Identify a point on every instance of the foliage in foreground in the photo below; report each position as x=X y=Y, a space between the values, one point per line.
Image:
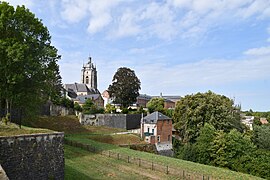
x=29 y=73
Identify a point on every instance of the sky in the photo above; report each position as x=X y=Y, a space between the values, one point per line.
x=175 y=47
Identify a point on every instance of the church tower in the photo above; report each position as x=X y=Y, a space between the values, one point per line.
x=89 y=75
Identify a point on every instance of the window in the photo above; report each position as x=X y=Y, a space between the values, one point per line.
x=158 y=138
x=148 y=129
x=87 y=80
x=169 y=137
x=153 y=131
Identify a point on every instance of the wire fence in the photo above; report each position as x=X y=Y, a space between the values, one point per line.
x=143 y=163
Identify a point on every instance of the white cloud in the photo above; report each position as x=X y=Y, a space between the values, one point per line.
x=99 y=12
x=27 y=3
x=201 y=74
x=127 y=25
x=258 y=51
x=162 y=19
x=74 y=11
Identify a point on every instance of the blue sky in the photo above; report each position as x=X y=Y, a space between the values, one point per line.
x=176 y=47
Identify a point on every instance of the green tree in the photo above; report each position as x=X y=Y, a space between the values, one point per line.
x=155 y=104
x=29 y=74
x=227 y=148
x=261 y=136
x=193 y=111
x=110 y=108
x=125 y=87
x=90 y=108
x=77 y=107
x=67 y=103
x=203 y=143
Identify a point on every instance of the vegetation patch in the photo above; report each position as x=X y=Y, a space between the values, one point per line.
x=118 y=139
x=69 y=125
x=81 y=164
x=11 y=129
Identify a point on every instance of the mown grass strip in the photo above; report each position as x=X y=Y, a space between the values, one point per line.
x=185 y=166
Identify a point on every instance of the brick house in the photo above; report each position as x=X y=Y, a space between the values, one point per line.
x=156 y=128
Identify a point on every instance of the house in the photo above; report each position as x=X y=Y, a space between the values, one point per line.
x=248 y=121
x=263 y=121
x=169 y=101
x=142 y=100
x=156 y=129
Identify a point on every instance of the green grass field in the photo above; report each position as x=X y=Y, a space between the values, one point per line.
x=82 y=164
x=12 y=129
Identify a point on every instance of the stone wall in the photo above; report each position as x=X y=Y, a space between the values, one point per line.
x=60 y=110
x=36 y=156
x=112 y=120
x=123 y=121
x=50 y=109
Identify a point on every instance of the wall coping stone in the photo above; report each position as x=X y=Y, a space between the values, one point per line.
x=3 y=175
x=33 y=135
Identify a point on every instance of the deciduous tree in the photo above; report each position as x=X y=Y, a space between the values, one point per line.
x=29 y=73
x=155 y=104
x=193 y=111
x=125 y=87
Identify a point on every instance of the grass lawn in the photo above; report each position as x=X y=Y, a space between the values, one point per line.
x=80 y=164
x=69 y=125
x=214 y=172
x=83 y=164
x=12 y=129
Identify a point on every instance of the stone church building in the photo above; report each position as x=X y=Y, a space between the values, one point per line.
x=87 y=89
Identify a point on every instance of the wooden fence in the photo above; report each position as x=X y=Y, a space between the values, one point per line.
x=146 y=164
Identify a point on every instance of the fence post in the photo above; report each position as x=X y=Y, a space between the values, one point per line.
x=183 y=174
x=167 y=171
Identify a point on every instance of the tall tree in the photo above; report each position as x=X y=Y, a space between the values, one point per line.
x=125 y=87
x=29 y=73
x=155 y=104
x=193 y=111
x=227 y=148
x=261 y=136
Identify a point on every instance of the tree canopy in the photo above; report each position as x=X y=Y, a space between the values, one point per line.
x=29 y=73
x=125 y=87
x=91 y=108
x=155 y=104
x=193 y=111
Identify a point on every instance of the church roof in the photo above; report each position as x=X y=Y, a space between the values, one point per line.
x=82 y=99
x=154 y=117
x=79 y=87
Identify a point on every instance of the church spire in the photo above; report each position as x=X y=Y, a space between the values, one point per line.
x=89 y=74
